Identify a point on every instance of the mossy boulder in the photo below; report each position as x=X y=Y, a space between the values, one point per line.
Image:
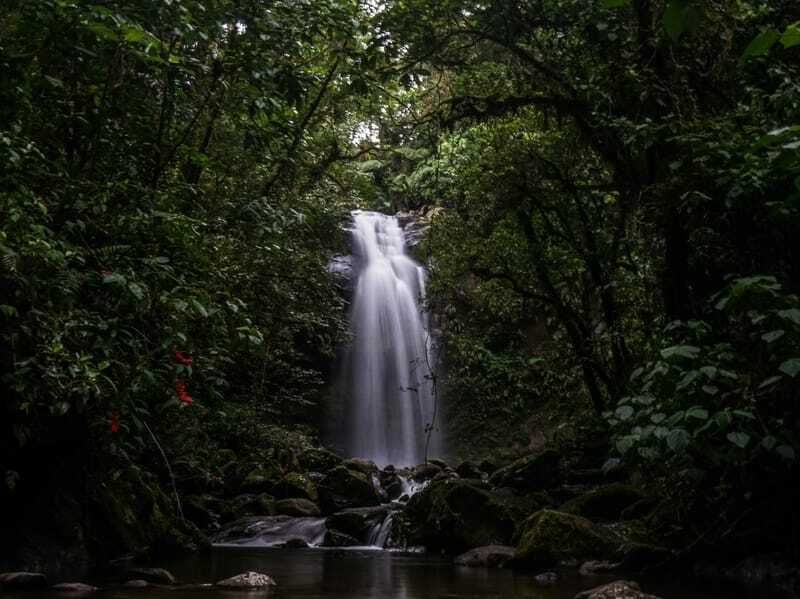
x=297 y=506
x=530 y=473
x=549 y=536
x=343 y=487
x=247 y=504
x=318 y=459
x=262 y=478
x=367 y=467
x=605 y=503
x=457 y=515
x=295 y=484
x=357 y=522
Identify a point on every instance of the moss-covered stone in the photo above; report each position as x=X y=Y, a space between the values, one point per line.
x=262 y=478
x=295 y=484
x=604 y=503
x=529 y=473
x=297 y=506
x=318 y=459
x=342 y=488
x=248 y=504
x=457 y=515
x=367 y=467
x=549 y=536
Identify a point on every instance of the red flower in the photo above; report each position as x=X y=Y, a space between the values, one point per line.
x=183 y=395
x=113 y=421
x=180 y=357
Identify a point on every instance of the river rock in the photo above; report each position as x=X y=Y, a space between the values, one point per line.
x=344 y=487
x=248 y=504
x=392 y=484
x=546 y=579
x=548 y=537
x=247 y=580
x=425 y=472
x=605 y=503
x=357 y=522
x=295 y=544
x=334 y=538
x=457 y=515
x=262 y=479
x=367 y=467
x=619 y=589
x=156 y=575
x=297 y=506
x=489 y=556
x=77 y=588
x=22 y=580
x=529 y=473
x=295 y=484
x=137 y=583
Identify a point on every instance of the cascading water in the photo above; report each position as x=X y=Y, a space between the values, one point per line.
x=387 y=387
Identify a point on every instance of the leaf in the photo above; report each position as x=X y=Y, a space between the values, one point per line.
x=773 y=335
x=614 y=3
x=678 y=440
x=790 y=367
x=793 y=314
x=739 y=439
x=770 y=381
x=791 y=37
x=723 y=419
x=684 y=351
x=625 y=443
x=698 y=413
x=744 y=414
x=762 y=43
x=680 y=17
x=785 y=451
x=624 y=412
x=769 y=442
x=711 y=389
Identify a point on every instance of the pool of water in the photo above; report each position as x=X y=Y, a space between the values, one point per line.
x=364 y=574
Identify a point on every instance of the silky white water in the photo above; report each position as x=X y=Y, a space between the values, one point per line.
x=388 y=394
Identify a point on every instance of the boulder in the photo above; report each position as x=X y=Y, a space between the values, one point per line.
x=367 y=467
x=297 y=506
x=319 y=459
x=619 y=589
x=469 y=470
x=489 y=556
x=605 y=503
x=295 y=544
x=75 y=588
x=334 y=538
x=136 y=583
x=22 y=580
x=425 y=472
x=155 y=575
x=457 y=515
x=343 y=487
x=357 y=522
x=262 y=479
x=594 y=567
x=296 y=485
x=441 y=463
x=548 y=537
x=392 y=484
x=248 y=504
x=529 y=473
x=246 y=581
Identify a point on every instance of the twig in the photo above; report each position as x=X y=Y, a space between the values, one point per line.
x=169 y=469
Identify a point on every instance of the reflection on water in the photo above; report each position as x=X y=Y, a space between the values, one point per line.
x=336 y=574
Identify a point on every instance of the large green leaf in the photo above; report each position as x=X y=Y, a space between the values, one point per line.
x=762 y=43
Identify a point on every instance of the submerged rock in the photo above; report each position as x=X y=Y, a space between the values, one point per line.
x=156 y=575
x=548 y=537
x=546 y=579
x=77 y=588
x=619 y=589
x=247 y=580
x=22 y=580
x=489 y=556
x=297 y=506
x=593 y=567
x=530 y=473
x=457 y=515
x=606 y=503
x=137 y=583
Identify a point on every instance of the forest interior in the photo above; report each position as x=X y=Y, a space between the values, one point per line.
x=400 y=298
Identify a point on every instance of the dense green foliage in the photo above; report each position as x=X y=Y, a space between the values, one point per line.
x=614 y=195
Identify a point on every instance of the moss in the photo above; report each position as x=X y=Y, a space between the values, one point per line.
x=318 y=459
x=342 y=488
x=457 y=515
x=262 y=478
x=605 y=503
x=296 y=485
x=549 y=536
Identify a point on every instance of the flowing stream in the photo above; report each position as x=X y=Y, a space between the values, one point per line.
x=389 y=400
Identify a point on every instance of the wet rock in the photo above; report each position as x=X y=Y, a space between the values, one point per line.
x=457 y=515
x=334 y=538
x=137 y=583
x=403 y=498
x=529 y=473
x=546 y=579
x=77 y=588
x=297 y=506
x=604 y=503
x=392 y=485
x=296 y=485
x=489 y=556
x=319 y=459
x=344 y=487
x=295 y=544
x=593 y=567
x=425 y=472
x=357 y=522
x=469 y=470
x=619 y=589
x=247 y=580
x=548 y=537
x=155 y=575
x=22 y=580
x=367 y=467
x=441 y=463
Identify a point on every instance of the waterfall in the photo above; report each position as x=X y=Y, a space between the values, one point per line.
x=388 y=395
